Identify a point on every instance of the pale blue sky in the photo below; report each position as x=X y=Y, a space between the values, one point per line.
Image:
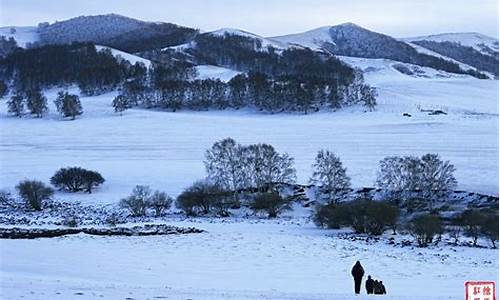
x=275 y=17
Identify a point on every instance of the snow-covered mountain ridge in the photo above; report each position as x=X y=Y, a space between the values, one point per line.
x=477 y=52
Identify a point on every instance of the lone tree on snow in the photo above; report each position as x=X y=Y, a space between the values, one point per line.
x=75 y=179
x=329 y=173
x=120 y=104
x=37 y=103
x=68 y=105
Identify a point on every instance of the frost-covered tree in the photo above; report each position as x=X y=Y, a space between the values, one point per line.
x=16 y=105
x=68 y=105
x=331 y=176
x=37 y=103
x=120 y=104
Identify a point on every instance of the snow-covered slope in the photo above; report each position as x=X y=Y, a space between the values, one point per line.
x=126 y=56
x=313 y=39
x=478 y=41
x=215 y=72
x=265 y=41
x=22 y=34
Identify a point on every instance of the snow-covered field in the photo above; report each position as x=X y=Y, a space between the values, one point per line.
x=248 y=259
x=166 y=150
x=234 y=260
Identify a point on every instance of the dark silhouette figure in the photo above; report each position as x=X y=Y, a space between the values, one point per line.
x=382 y=288
x=357 y=272
x=369 y=285
x=377 y=288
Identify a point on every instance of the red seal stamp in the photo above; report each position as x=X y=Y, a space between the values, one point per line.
x=480 y=290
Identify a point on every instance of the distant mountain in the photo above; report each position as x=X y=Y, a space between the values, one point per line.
x=485 y=44
x=355 y=41
x=116 y=31
x=474 y=49
x=459 y=53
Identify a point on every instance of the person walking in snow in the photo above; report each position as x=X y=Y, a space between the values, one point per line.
x=357 y=272
x=369 y=285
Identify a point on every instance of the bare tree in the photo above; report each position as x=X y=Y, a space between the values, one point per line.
x=329 y=173
x=267 y=167
x=437 y=179
x=225 y=166
x=137 y=203
x=160 y=202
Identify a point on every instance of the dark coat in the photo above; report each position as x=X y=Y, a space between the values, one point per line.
x=369 y=286
x=357 y=271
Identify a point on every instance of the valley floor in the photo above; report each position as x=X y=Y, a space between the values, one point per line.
x=245 y=259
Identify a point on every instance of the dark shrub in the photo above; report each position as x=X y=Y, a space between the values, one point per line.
x=489 y=227
x=203 y=198
x=272 y=203
x=425 y=227
x=75 y=179
x=34 y=193
x=472 y=219
x=332 y=216
x=364 y=216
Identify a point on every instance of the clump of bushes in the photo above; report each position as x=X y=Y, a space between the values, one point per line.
x=34 y=192
x=425 y=228
x=75 y=179
x=480 y=223
x=143 y=198
x=271 y=203
x=362 y=215
x=204 y=197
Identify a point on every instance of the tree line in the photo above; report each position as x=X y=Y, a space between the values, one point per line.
x=273 y=81
x=255 y=175
x=289 y=80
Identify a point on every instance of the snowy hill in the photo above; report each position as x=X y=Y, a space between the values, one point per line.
x=116 y=31
x=126 y=56
x=482 y=43
x=351 y=40
x=264 y=41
